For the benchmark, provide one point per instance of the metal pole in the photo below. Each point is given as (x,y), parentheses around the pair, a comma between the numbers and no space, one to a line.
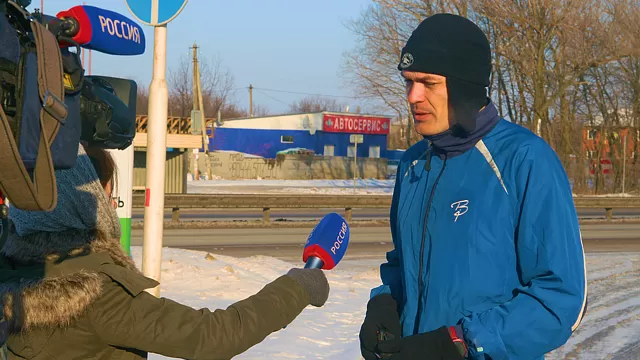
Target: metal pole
(250,100)
(156,156)
(196,154)
(355,163)
(196,175)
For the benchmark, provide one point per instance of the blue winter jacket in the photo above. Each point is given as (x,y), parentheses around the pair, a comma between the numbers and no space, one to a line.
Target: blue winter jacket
(487,240)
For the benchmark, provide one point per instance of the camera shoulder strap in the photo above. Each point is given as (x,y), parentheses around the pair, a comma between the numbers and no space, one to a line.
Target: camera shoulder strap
(39,194)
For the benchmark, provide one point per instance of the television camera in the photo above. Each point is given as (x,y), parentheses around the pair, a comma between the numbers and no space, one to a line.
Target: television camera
(48,106)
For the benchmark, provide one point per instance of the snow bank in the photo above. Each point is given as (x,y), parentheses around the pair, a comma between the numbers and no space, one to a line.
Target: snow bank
(362,186)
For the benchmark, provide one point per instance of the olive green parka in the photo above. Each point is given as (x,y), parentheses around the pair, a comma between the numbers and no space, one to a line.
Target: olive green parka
(70,292)
(92,305)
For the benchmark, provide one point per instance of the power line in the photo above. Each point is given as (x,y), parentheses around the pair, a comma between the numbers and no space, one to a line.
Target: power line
(269,96)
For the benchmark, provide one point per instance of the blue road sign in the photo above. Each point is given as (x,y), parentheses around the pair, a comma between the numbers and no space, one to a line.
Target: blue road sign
(155,12)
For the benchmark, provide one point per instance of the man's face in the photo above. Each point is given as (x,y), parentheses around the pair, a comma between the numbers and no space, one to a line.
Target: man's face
(427,94)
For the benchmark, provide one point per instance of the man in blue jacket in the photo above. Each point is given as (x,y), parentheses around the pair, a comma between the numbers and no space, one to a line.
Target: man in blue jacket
(488,260)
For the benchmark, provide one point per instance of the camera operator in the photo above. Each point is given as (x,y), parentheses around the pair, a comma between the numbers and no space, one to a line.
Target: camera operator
(70,291)
(67,289)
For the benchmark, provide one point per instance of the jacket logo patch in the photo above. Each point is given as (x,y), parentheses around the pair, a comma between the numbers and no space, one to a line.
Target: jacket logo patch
(460,208)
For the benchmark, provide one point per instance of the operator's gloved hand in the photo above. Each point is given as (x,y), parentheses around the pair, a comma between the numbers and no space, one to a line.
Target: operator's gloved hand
(382,317)
(434,345)
(314,282)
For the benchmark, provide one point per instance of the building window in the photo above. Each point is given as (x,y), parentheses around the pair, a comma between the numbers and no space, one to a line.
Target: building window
(286,139)
(589,154)
(351,151)
(374,151)
(592,134)
(328,150)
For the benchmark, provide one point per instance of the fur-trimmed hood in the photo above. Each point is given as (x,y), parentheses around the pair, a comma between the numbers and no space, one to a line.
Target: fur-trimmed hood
(50,279)
(48,270)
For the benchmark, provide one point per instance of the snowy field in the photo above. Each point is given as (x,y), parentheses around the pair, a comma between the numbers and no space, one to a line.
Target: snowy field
(610,330)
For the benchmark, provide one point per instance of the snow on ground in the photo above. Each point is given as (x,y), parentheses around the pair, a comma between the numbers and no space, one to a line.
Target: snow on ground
(337,187)
(611,328)
(611,195)
(330,187)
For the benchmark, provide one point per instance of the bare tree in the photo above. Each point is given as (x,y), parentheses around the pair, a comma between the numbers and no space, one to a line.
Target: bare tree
(142,100)
(557,64)
(260,110)
(316,104)
(217,86)
(381,32)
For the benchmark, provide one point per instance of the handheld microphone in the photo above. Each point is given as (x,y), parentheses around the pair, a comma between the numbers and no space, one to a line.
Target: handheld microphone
(101,30)
(327,243)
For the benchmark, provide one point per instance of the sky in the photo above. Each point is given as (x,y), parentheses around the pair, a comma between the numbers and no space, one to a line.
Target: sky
(289,45)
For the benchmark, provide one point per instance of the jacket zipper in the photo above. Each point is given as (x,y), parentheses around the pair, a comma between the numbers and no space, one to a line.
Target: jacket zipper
(424,233)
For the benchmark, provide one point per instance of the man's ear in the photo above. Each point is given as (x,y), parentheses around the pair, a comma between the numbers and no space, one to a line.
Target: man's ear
(465,101)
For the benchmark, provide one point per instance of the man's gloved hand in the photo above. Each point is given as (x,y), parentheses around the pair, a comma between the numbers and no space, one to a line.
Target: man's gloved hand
(434,345)
(382,317)
(314,282)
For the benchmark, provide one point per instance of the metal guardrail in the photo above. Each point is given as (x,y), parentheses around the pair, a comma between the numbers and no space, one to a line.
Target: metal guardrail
(348,202)
(608,203)
(267,202)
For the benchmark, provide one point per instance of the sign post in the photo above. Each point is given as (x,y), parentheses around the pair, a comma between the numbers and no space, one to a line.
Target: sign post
(124,193)
(156,13)
(355,139)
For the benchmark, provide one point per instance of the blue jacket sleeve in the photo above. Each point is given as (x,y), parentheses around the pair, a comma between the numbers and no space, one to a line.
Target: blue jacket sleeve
(390,272)
(549,305)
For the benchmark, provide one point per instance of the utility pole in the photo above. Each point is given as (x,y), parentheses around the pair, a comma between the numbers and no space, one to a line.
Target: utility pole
(195,78)
(198,107)
(250,100)
(205,138)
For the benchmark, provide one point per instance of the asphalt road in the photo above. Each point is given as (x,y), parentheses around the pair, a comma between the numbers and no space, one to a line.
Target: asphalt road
(287,243)
(316,214)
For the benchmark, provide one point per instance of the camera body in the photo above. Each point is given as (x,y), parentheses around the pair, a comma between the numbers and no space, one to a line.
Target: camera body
(106,108)
(98,111)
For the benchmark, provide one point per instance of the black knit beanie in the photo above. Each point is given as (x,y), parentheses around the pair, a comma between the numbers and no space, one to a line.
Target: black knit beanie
(456,48)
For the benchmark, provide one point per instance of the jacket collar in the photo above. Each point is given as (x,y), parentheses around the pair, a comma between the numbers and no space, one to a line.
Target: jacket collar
(454,142)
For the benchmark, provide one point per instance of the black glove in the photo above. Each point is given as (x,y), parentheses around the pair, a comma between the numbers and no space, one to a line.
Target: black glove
(433,345)
(382,318)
